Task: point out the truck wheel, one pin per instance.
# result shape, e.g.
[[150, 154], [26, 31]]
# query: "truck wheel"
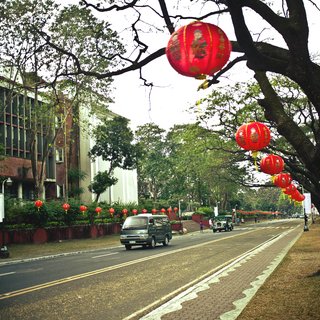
[[165, 241], [128, 247], [153, 243]]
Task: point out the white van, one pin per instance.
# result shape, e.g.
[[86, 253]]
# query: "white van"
[[146, 230]]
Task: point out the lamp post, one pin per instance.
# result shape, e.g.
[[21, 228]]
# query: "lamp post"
[[235, 214], [216, 209], [179, 211], [179, 206], [305, 227], [4, 253]]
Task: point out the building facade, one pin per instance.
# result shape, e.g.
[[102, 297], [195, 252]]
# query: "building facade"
[[60, 146], [125, 190]]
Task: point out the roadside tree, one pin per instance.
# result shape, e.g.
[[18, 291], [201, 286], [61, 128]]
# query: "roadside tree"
[[114, 143]]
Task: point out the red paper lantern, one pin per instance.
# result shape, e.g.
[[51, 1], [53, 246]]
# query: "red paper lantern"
[[175, 209], [198, 49], [83, 209], [154, 211], [297, 196], [282, 180], [98, 210], [134, 211], [272, 164], [144, 211], [163, 210], [253, 136], [124, 211], [290, 189], [169, 210], [38, 204], [111, 211], [66, 207]]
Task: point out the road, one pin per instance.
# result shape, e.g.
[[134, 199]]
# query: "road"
[[118, 284]]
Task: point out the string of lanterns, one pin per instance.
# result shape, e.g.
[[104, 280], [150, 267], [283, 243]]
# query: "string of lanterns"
[[201, 49], [255, 136], [82, 208]]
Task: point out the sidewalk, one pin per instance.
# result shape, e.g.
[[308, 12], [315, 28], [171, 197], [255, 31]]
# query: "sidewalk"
[[291, 292], [226, 293]]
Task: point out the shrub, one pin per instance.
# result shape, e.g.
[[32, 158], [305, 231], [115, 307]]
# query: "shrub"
[[206, 211]]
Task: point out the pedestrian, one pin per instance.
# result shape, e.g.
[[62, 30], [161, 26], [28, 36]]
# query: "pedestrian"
[[210, 223], [201, 226]]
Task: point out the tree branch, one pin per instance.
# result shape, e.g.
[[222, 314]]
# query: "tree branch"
[[285, 125]]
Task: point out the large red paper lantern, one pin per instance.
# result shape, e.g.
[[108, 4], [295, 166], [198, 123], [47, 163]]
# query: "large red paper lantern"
[[198, 49], [271, 164], [144, 211], [253, 136], [154, 211], [124, 212], [111, 211], [282, 180], [134, 211], [83, 208]]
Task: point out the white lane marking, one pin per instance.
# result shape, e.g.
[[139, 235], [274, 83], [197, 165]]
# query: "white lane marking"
[[105, 255], [6, 274]]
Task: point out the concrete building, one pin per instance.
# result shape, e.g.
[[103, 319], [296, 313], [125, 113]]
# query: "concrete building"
[[126, 189], [62, 145]]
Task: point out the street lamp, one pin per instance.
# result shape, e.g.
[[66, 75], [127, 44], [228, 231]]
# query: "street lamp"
[[235, 214], [179, 206], [4, 253], [216, 209], [304, 213]]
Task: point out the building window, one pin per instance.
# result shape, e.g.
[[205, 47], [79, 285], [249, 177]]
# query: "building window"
[[59, 155]]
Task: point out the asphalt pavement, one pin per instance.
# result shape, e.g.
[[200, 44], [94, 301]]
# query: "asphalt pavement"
[[217, 296]]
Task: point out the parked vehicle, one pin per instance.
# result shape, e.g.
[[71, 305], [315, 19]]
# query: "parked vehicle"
[[145, 230], [222, 223]]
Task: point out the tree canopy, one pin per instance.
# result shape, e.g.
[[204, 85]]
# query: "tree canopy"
[[113, 143], [254, 45]]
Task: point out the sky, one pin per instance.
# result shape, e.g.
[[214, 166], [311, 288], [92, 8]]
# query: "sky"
[[173, 93]]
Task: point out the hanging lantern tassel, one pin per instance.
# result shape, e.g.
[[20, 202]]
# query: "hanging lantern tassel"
[[254, 155], [204, 85]]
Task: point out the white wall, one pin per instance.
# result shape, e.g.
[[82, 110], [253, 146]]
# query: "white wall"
[[126, 189]]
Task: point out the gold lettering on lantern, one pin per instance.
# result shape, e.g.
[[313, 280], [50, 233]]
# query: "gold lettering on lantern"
[[174, 48], [199, 45], [268, 163], [194, 69], [254, 137], [241, 138]]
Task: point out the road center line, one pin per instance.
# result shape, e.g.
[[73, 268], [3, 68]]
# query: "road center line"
[[104, 255], [6, 274]]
